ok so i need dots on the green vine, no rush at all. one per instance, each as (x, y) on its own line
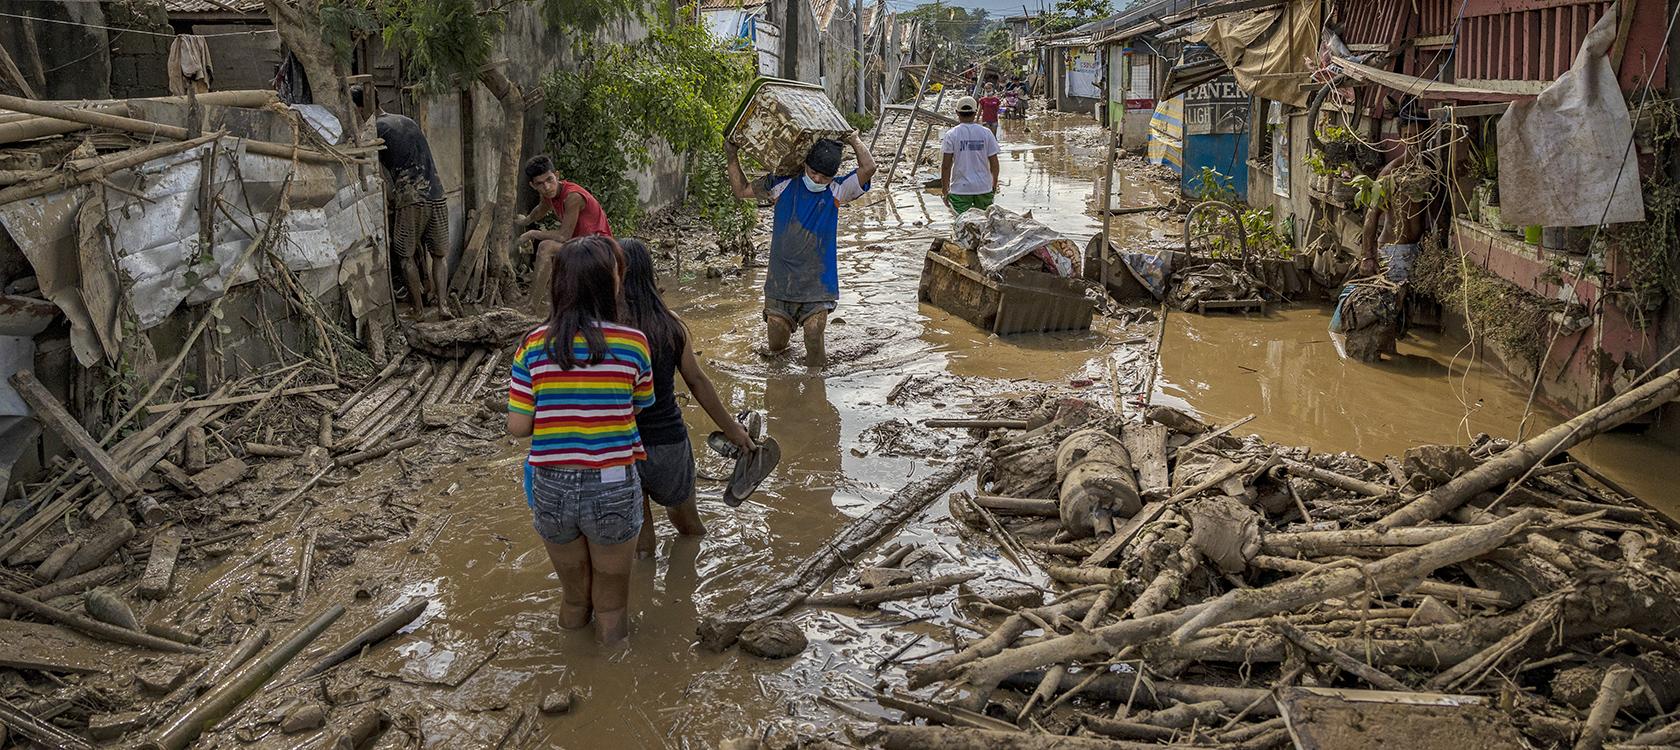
(678, 86)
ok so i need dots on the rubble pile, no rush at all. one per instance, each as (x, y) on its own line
(1228, 592)
(164, 580)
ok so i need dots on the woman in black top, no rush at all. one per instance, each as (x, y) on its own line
(668, 472)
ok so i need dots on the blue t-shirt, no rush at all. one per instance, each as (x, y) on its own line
(804, 266)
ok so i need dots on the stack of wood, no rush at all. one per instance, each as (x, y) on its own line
(1483, 595)
(95, 561)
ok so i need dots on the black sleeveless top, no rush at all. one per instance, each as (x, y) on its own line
(662, 423)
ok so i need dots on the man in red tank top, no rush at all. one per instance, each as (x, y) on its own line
(580, 216)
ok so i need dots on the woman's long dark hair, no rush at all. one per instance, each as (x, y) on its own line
(643, 306)
(583, 293)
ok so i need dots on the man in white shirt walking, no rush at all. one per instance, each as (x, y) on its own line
(970, 168)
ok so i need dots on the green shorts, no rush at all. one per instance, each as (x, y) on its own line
(961, 203)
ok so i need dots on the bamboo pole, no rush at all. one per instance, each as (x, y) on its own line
(24, 126)
(152, 129)
(93, 627)
(384, 628)
(223, 698)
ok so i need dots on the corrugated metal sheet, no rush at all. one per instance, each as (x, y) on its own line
(715, 4)
(206, 6)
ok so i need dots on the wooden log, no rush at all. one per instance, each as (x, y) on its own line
(165, 630)
(160, 566)
(105, 540)
(1246, 603)
(718, 631)
(44, 732)
(24, 126)
(1012, 627)
(1337, 480)
(351, 459)
(72, 585)
(195, 451)
(491, 362)
(385, 372)
(55, 560)
(153, 129)
(871, 597)
(463, 375)
(92, 627)
(399, 397)
(1126, 730)
(977, 424)
(1519, 458)
(306, 564)
(1019, 506)
(358, 731)
(241, 652)
(64, 180)
(941, 713)
(1612, 691)
(266, 450)
(52, 415)
(1184, 714)
(324, 433)
(1117, 687)
(911, 737)
(372, 634)
(1669, 735)
(227, 695)
(1317, 543)
(1326, 652)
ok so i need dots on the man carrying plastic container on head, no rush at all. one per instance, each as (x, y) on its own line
(970, 168)
(803, 284)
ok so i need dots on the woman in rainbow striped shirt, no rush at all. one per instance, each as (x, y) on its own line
(576, 385)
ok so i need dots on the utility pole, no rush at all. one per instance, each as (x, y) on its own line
(857, 44)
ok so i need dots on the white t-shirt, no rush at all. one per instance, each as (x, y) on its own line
(971, 146)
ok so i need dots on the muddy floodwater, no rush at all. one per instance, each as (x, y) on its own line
(496, 594)
(492, 631)
(1282, 368)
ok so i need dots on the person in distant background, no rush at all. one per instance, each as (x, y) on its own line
(580, 216)
(420, 215)
(969, 172)
(989, 105)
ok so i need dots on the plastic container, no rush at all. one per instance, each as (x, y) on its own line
(779, 120)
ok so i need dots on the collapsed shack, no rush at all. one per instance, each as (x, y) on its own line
(181, 243)
(1222, 592)
(151, 590)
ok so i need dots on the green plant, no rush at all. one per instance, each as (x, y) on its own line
(1210, 185)
(1506, 314)
(1646, 250)
(1368, 191)
(678, 86)
(862, 122)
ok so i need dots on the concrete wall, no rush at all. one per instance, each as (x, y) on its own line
(139, 61)
(55, 57)
(839, 55)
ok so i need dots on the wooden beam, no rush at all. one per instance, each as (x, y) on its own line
(52, 414)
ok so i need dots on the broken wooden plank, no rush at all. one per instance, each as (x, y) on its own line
(1147, 445)
(1210, 436)
(218, 477)
(49, 648)
(52, 414)
(160, 566)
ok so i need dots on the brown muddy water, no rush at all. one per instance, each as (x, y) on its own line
(495, 592)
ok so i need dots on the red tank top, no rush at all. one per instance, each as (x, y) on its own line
(591, 219)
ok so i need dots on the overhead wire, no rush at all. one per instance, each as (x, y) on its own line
(171, 35)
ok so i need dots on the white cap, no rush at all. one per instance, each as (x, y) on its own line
(967, 106)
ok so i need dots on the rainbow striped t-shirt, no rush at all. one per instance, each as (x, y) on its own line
(584, 418)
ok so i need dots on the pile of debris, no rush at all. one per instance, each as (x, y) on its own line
(1224, 592)
(108, 628)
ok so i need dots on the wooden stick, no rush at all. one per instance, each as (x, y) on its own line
(306, 563)
(1339, 481)
(378, 631)
(268, 396)
(241, 399)
(351, 459)
(1210, 436)
(52, 414)
(385, 372)
(978, 424)
(153, 129)
(1020, 506)
(1376, 677)
(228, 695)
(1611, 692)
(272, 451)
(868, 597)
(93, 627)
(484, 373)
(308, 484)
(1519, 458)
(44, 732)
(71, 585)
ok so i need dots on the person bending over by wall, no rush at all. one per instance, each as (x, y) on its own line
(576, 385)
(668, 473)
(419, 213)
(579, 213)
(969, 171)
(803, 284)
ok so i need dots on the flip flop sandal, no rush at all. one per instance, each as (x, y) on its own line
(751, 421)
(750, 471)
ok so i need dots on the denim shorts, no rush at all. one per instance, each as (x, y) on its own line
(798, 312)
(568, 503)
(668, 473)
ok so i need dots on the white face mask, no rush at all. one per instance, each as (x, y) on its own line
(813, 185)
